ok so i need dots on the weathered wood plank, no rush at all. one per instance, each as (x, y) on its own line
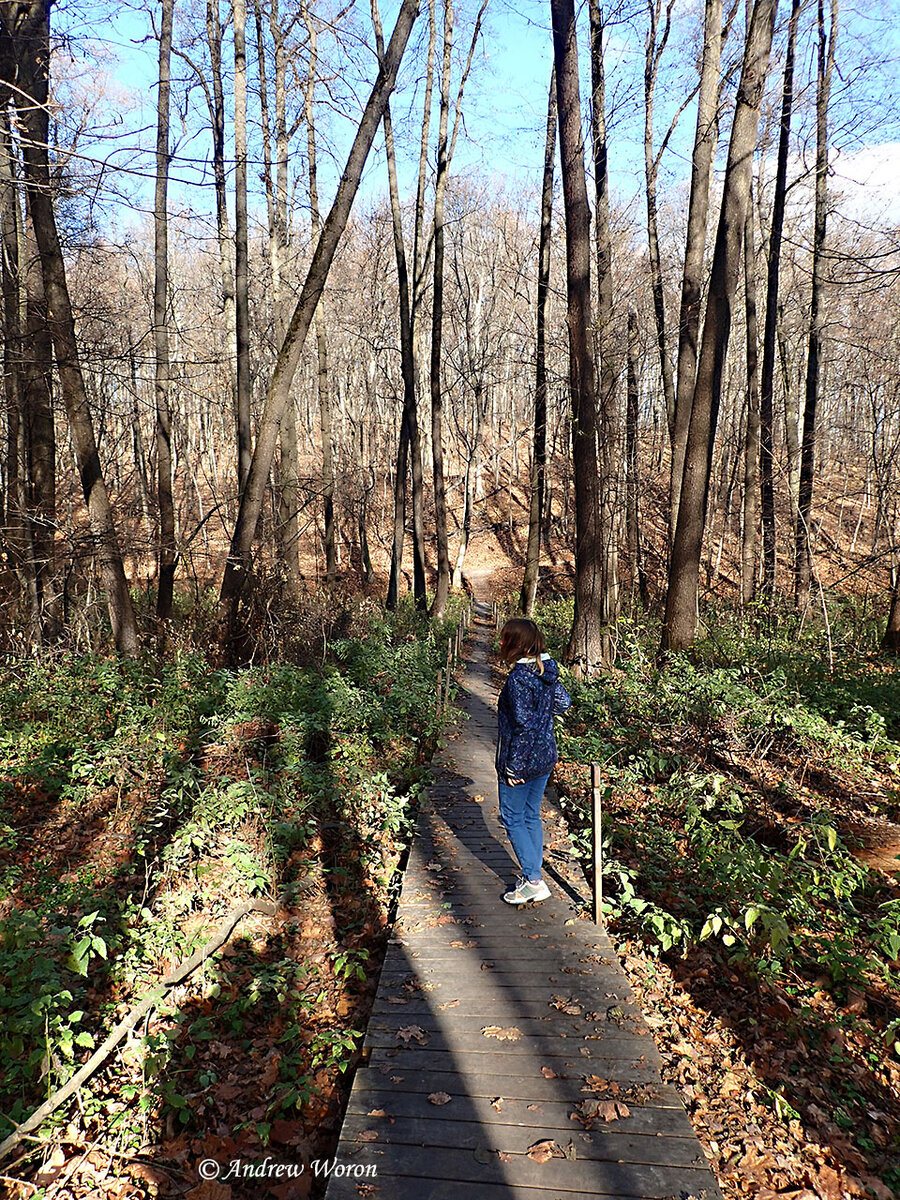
(582, 1177)
(565, 1089)
(658, 1121)
(598, 1145)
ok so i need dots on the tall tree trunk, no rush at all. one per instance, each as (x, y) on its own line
(26, 30)
(38, 407)
(802, 549)
(442, 588)
(17, 525)
(890, 643)
(166, 555)
(653, 52)
(325, 413)
(705, 139)
(238, 564)
(749, 546)
(684, 572)
(773, 272)
(632, 480)
(223, 235)
(539, 445)
(608, 428)
(276, 184)
(586, 641)
(241, 248)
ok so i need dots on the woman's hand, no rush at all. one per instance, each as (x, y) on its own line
(514, 782)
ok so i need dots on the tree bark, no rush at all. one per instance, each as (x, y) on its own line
(684, 572)
(409, 416)
(632, 480)
(802, 548)
(890, 643)
(750, 543)
(166, 553)
(586, 641)
(608, 429)
(653, 52)
(25, 30)
(539, 445)
(238, 565)
(442, 588)
(241, 249)
(17, 525)
(705, 139)
(37, 352)
(773, 272)
(325, 413)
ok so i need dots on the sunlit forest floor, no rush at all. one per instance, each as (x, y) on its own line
(751, 838)
(752, 850)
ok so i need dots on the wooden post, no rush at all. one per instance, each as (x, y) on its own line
(437, 702)
(597, 839)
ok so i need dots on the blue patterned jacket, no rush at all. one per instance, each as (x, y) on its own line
(526, 747)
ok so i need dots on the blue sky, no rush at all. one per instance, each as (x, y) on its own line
(505, 102)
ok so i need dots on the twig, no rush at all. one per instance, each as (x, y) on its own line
(128, 1023)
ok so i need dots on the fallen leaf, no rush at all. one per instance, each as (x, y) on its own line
(543, 1151)
(376, 1112)
(549, 1073)
(439, 1098)
(507, 1033)
(410, 1033)
(478, 799)
(611, 1110)
(483, 1155)
(497, 1103)
(367, 1135)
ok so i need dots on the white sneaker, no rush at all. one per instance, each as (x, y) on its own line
(524, 891)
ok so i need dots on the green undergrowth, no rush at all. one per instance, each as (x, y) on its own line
(736, 781)
(141, 800)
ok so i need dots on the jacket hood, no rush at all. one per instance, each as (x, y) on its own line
(548, 677)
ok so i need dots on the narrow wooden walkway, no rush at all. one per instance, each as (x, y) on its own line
(521, 1017)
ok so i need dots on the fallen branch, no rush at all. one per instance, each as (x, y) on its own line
(52, 1103)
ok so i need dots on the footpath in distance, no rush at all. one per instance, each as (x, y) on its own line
(506, 1057)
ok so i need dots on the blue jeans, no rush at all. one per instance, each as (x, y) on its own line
(520, 812)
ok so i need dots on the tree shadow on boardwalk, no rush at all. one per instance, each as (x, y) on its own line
(493, 1025)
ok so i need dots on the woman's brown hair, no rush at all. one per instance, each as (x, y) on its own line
(521, 638)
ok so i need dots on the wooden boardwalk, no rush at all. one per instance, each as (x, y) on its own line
(497, 1031)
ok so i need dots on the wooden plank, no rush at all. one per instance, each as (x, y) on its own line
(393, 1187)
(654, 1120)
(581, 1177)
(565, 1060)
(598, 1145)
(553, 1042)
(566, 1089)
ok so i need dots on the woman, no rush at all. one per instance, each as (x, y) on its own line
(526, 748)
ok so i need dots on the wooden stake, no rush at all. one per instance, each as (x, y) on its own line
(597, 840)
(437, 702)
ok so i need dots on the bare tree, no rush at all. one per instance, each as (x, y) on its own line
(705, 139)
(166, 553)
(684, 574)
(253, 496)
(539, 445)
(825, 68)
(586, 642)
(25, 64)
(773, 272)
